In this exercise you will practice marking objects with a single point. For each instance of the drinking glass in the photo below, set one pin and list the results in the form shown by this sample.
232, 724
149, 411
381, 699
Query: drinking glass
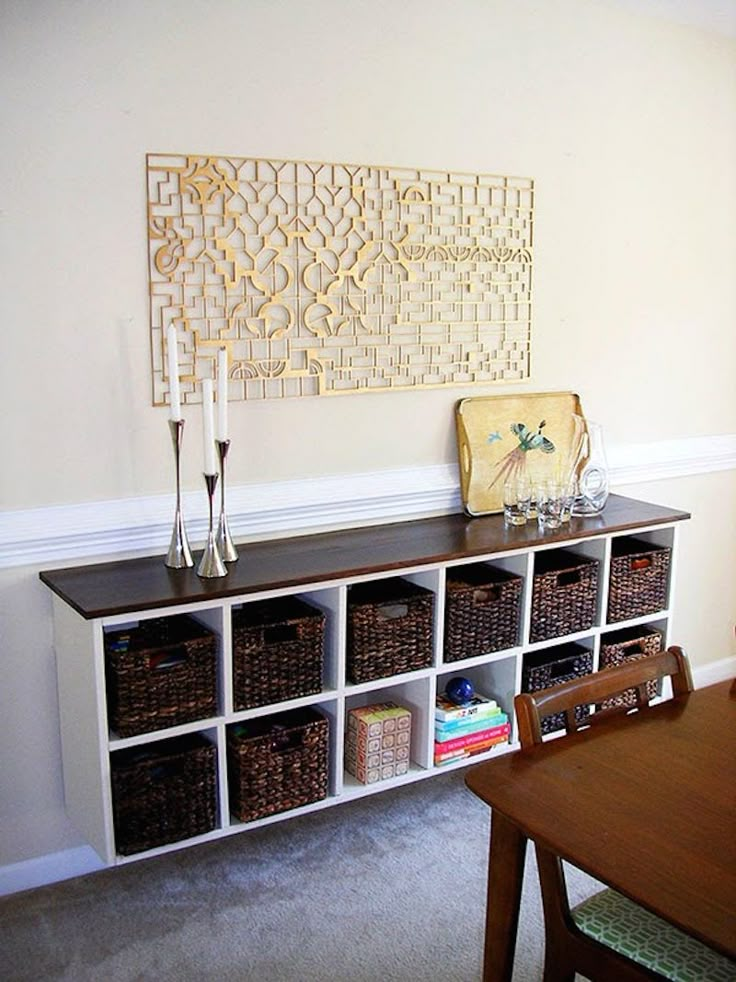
550, 497
516, 496
568, 500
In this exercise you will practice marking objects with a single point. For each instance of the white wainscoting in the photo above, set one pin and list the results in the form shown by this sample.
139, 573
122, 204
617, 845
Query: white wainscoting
143, 525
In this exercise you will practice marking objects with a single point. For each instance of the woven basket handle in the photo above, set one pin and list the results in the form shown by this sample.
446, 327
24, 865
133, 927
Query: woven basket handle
633, 648
166, 769
287, 740
568, 576
640, 562
392, 612
280, 633
486, 595
556, 671
164, 661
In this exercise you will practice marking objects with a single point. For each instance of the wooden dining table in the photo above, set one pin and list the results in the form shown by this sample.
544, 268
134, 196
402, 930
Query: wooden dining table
645, 803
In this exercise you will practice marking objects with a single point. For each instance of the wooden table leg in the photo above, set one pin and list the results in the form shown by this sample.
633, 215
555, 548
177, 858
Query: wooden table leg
505, 877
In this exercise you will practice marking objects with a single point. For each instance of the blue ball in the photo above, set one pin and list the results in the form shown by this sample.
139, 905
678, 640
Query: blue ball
459, 690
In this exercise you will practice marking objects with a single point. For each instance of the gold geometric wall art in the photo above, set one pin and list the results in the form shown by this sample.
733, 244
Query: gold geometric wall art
322, 279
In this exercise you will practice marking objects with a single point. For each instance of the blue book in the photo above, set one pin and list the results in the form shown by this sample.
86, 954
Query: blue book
472, 724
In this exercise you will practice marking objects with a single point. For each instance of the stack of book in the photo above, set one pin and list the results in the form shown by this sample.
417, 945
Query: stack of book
463, 731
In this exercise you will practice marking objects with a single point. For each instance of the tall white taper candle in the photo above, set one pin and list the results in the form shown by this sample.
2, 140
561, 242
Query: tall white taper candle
173, 360
208, 428
222, 395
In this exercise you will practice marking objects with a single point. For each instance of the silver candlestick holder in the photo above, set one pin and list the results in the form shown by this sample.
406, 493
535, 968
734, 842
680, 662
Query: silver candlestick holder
179, 555
228, 552
211, 564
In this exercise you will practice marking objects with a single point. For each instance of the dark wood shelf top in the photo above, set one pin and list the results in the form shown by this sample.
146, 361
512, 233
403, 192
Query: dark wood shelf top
121, 587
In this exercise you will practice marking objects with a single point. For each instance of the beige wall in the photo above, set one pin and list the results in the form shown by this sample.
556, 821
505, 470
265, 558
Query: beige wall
704, 615
626, 123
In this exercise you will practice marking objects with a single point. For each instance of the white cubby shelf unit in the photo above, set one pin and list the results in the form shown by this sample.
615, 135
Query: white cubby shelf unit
89, 601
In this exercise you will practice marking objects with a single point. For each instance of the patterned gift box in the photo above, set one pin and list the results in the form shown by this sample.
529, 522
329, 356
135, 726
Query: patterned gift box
378, 742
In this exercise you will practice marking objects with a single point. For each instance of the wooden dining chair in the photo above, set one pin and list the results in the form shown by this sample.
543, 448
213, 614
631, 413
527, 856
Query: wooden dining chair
608, 938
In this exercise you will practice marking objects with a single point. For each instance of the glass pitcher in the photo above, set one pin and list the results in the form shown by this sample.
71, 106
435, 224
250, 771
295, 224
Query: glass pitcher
592, 481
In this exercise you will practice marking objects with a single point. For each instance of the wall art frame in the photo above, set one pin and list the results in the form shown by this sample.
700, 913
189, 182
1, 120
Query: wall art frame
323, 278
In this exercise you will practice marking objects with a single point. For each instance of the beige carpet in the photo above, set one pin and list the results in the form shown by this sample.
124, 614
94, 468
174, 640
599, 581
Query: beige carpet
390, 888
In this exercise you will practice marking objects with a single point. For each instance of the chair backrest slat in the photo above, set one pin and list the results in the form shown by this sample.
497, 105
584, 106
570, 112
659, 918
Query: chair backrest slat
531, 707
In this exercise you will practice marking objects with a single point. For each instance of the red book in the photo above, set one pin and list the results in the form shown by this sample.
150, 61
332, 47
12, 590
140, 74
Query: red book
470, 751
481, 736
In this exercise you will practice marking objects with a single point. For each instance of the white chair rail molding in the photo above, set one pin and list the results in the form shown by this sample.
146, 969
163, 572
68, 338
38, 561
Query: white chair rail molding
142, 525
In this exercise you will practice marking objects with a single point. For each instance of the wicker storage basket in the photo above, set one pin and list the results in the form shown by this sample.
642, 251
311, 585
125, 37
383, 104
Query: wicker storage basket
551, 666
629, 643
161, 673
639, 575
482, 609
278, 647
564, 596
163, 792
277, 762
389, 629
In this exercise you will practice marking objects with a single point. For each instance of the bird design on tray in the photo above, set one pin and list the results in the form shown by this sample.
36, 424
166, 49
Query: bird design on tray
513, 464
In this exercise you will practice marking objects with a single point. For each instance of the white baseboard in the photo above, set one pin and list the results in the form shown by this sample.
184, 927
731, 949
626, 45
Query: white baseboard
716, 671
69, 863
143, 525
53, 868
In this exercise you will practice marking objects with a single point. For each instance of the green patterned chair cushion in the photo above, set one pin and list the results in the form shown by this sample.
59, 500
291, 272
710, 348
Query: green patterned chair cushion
632, 931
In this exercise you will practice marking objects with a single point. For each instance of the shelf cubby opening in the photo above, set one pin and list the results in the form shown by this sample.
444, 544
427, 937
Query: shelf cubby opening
494, 680
553, 665
164, 792
415, 696
390, 629
484, 608
279, 763
619, 644
279, 648
163, 672
640, 575
566, 591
